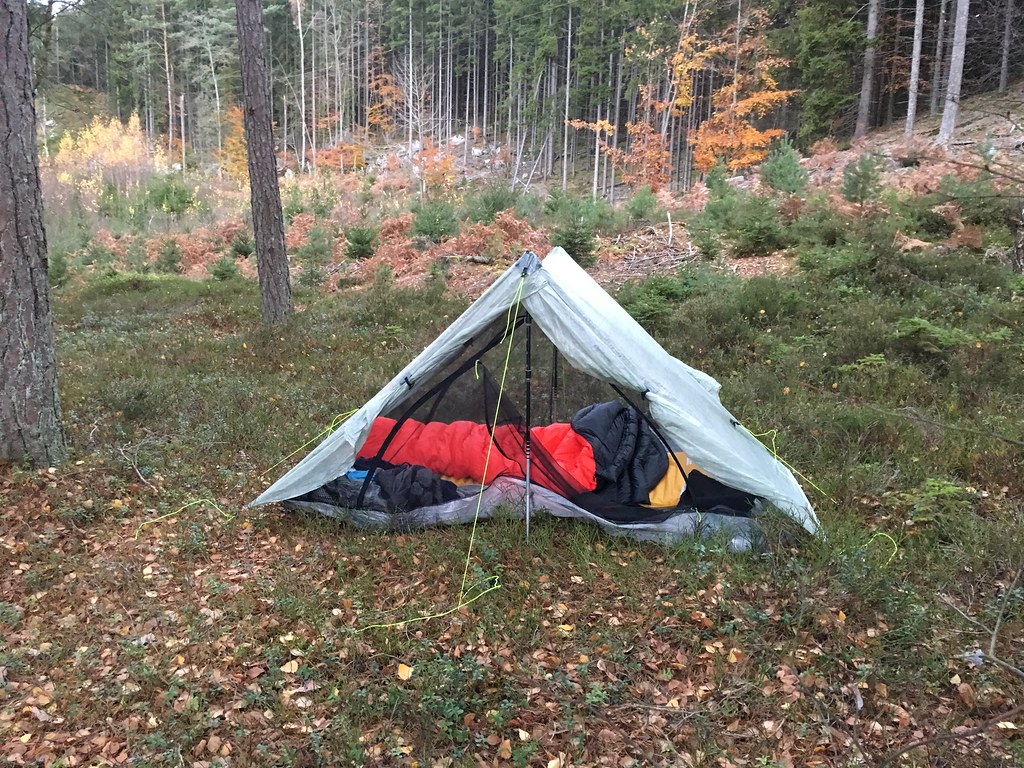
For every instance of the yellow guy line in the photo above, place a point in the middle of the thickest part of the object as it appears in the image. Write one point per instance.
(182, 508)
(774, 433)
(510, 331)
(335, 423)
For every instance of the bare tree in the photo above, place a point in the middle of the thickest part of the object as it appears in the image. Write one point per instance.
(915, 70)
(267, 217)
(938, 60)
(30, 424)
(956, 73)
(868, 80)
(1004, 64)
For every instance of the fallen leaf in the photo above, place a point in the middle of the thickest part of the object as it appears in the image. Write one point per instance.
(291, 667)
(505, 750)
(966, 694)
(404, 671)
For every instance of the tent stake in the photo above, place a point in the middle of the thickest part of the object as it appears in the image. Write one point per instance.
(529, 423)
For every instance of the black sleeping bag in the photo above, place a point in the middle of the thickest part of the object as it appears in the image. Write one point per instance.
(629, 457)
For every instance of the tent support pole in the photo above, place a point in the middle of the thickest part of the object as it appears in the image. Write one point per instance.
(529, 415)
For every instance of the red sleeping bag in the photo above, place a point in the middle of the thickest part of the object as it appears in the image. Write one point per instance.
(459, 450)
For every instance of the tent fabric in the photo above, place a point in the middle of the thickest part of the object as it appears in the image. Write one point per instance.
(598, 337)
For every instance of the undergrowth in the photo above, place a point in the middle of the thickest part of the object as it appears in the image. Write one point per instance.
(892, 379)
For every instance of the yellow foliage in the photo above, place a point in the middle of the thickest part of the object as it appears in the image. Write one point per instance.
(234, 155)
(106, 154)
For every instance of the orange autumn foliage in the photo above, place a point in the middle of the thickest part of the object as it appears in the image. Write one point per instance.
(645, 160)
(732, 133)
(386, 97)
(434, 166)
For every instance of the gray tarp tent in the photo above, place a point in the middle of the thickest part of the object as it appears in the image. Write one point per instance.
(598, 337)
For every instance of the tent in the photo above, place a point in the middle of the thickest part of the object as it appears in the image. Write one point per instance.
(545, 394)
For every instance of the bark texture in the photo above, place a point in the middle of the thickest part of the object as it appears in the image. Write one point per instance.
(915, 70)
(1017, 255)
(868, 79)
(956, 73)
(30, 424)
(267, 217)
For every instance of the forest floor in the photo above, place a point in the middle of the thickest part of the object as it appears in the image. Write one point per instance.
(148, 618)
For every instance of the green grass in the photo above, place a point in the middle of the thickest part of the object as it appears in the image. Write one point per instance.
(893, 381)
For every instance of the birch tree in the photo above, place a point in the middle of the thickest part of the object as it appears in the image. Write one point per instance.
(956, 73)
(868, 80)
(915, 70)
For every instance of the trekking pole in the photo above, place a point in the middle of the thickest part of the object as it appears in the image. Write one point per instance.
(529, 403)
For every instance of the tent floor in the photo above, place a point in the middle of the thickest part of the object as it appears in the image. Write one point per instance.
(507, 496)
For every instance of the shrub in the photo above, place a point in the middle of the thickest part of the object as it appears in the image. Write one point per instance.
(981, 203)
(819, 223)
(168, 260)
(577, 238)
(914, 215)
(136, 259)
(758, 228)
(483, 205)
(706, 239)
(643, 205)
(314, 255)
(292, 205)
(782, 170)
(170, 195)
(862, 179)
(435, 220)
(565, 210)
(57, 268)
(242, 244)
(225, 268)
(749, 224)
(650, 301)
(360, 242)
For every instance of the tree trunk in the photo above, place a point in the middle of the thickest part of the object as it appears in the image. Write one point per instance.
(1017, 256)
(220, 116)
(868, 80)
(937, 62)
(915, 70)
(565, 123)
(30, 424)
(170, 81)
(302, 76)
(267, 217)
(956, 72)
(1004, 64)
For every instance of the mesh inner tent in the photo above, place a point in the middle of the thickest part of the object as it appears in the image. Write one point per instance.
(506, 396)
